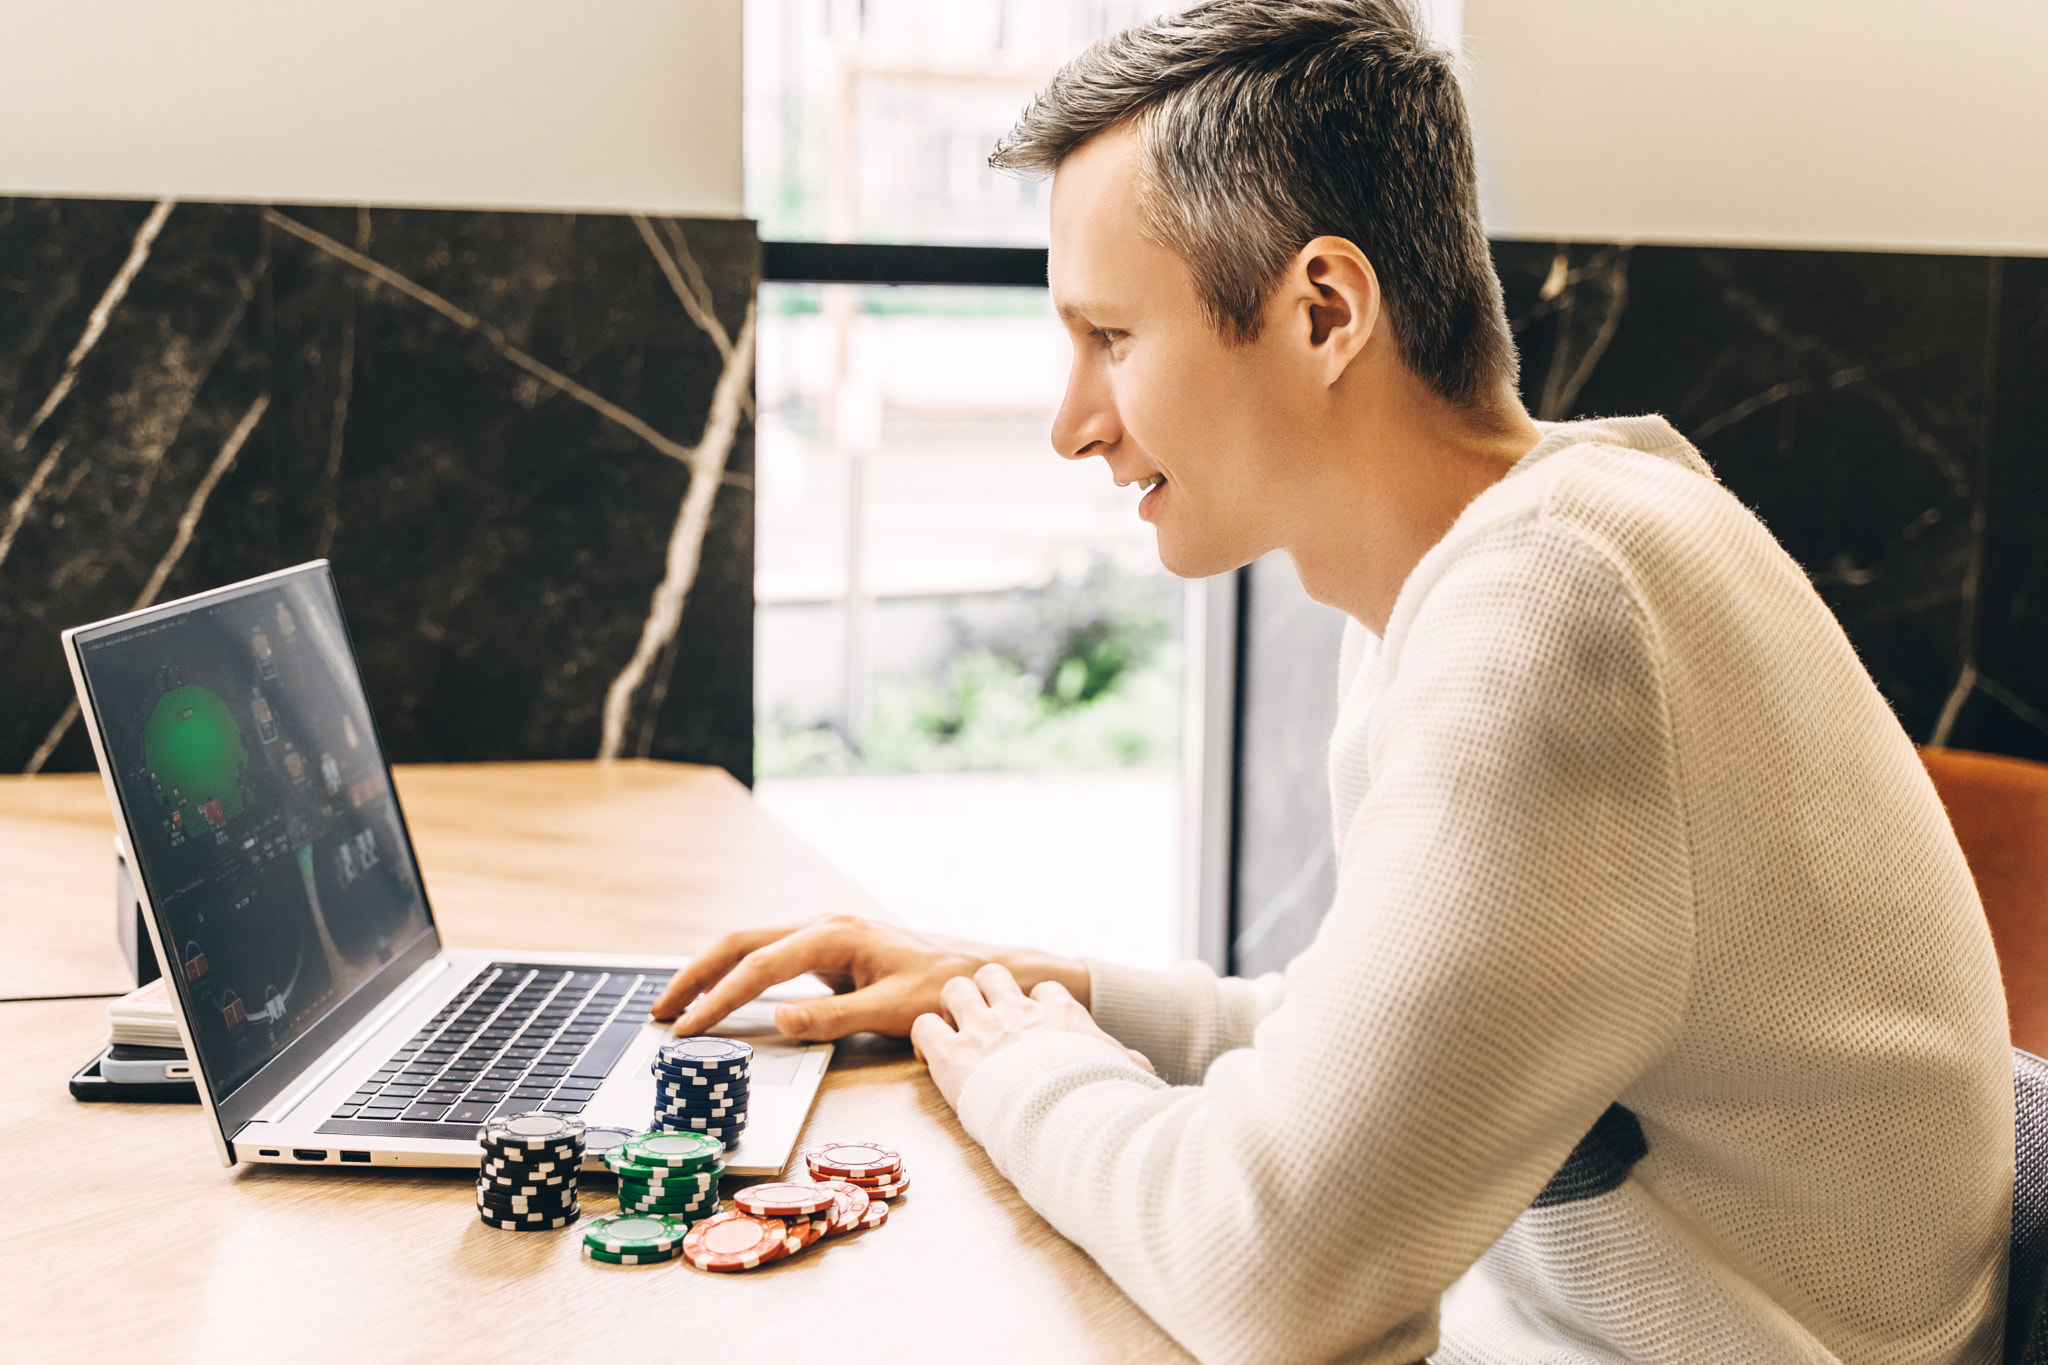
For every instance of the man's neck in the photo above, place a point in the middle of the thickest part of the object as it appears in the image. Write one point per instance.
(1413, 467)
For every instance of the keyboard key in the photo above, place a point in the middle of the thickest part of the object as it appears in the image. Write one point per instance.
(425, 1113)
(564, 1106)
(346, 1111)
(533, 1092)
(470, 1112)
(581, 1083)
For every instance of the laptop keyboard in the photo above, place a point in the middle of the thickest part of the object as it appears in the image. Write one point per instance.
(519, 1038)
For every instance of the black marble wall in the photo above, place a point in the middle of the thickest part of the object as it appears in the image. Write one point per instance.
(1886, 414)
(525, 440)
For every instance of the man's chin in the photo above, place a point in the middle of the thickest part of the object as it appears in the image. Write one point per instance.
(1198, 561)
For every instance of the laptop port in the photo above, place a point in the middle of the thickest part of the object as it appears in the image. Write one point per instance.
(363, 1157)
(308, 1154)
(268, 1151)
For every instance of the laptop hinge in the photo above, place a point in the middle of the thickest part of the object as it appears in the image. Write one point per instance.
(289, 1098)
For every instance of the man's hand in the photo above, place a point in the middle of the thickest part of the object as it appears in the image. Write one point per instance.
(989, 1011)
(885, 977)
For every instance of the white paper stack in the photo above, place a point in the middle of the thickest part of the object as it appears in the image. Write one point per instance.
(142, 1018)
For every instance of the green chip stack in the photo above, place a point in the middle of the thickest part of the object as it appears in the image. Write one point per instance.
(669, 1175)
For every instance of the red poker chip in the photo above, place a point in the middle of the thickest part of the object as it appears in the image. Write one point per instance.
(852, 1160)
(805, 1232)
(849, 1204)
(736, 1241)
(889, 1191)
(877, 1214)
(783, 1199)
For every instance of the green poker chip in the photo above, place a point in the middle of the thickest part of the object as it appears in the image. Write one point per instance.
(631, 1257)
(670, 1151)
(634, 1233)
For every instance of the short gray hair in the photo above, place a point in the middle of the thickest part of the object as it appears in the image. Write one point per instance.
(1267, 123)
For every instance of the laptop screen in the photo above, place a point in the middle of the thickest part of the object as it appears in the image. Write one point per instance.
(260, 808)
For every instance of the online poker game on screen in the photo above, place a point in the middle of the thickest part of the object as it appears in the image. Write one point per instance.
(264, 825)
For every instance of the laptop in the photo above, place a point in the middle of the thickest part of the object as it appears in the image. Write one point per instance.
(328, 1023)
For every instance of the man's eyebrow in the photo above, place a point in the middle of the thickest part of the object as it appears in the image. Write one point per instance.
(1079, 312)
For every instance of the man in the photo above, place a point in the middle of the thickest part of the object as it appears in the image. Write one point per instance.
(1655, 1017)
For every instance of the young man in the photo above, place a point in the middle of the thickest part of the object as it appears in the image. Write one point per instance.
(1655, 1017)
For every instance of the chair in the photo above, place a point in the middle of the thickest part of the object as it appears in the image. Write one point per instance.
(1999, 808)
(2026, 1295)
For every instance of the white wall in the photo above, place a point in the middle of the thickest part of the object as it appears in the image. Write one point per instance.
(602, 104)
(1861, 123)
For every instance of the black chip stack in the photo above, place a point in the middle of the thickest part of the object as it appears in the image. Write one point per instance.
(528, 1179)
(700, 1086)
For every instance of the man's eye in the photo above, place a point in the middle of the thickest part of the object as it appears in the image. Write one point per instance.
(1108, 336)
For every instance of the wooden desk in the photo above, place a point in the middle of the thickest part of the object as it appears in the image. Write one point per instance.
(134, 1244)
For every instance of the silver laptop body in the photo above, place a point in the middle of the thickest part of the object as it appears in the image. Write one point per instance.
(327, 1023)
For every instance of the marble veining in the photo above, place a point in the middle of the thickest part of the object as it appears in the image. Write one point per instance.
(524, 439)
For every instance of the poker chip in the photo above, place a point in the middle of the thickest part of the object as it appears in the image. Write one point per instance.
(660, 1180)
(527, 1170)
(638, 1233)
(598, 1141)
(517, 1224)
(782, 1199)
(531, 1132)
(849, 1203)
(509, 1187)
(891, 1191)
(705, 1053)
(672, 1150)
(702, 1094)
(736, 1241)
(852, 1160)
(807, 1232)
(631, 1257)
(876, 1215)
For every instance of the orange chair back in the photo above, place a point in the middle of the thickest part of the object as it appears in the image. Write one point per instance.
(1999, 807)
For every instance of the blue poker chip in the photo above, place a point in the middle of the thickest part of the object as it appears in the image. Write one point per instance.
(598, 1141)
(702, 1076)
(706, 1052)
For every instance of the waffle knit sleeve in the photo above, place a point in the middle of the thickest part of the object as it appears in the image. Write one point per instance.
(1510, 944)
(1182, 1018)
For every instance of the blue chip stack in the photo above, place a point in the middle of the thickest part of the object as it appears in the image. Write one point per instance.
(700, 1086)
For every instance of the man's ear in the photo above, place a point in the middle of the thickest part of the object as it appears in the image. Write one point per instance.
(1335, 298)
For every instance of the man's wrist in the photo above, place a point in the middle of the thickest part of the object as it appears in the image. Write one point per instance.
(1031, 967)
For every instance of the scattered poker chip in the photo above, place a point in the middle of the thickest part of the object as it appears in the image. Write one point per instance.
(852, 1160)
(531, 1132)
(631, 1258)
(876, 1215)
(807, 1232)
(849, 1203)
(598, 1141)
(736, 1241)
(782, 1199)
(677, 1151)
(880, 1192)
(619, 1233)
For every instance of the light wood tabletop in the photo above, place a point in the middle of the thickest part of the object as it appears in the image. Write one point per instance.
(136, 1244)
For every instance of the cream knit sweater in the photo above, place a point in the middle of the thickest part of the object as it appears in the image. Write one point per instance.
(1621, 821)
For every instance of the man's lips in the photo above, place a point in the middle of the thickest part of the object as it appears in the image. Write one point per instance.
(1145, 482)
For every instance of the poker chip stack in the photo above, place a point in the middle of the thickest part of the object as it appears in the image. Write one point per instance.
(865, 1165)
(528, 1179)
(668, 1175)
(700, 1086)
